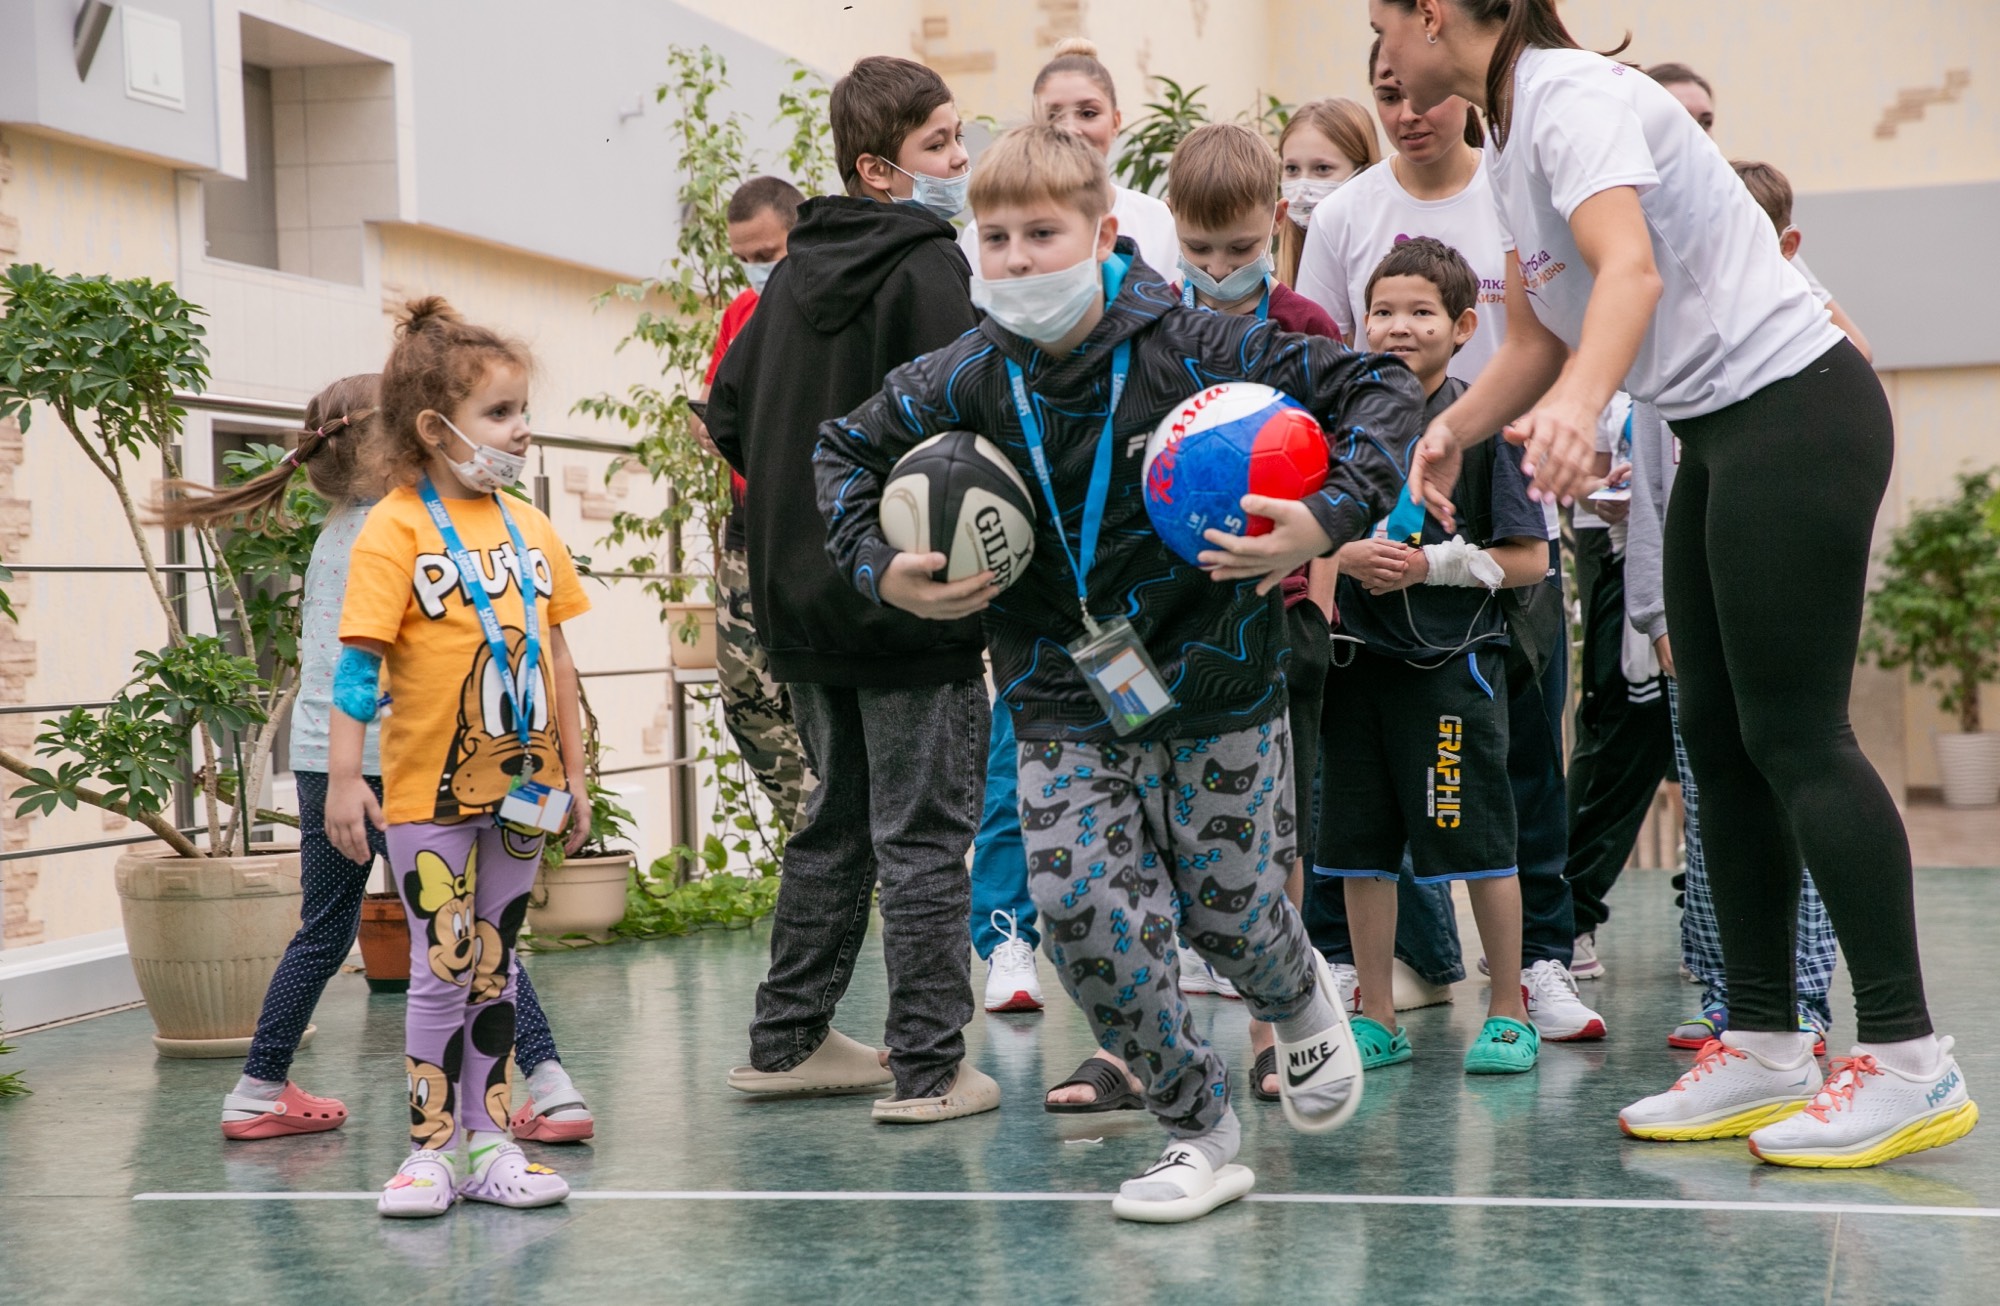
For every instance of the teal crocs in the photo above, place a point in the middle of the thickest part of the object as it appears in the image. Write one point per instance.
(1378, 1046)
(1504, 1047)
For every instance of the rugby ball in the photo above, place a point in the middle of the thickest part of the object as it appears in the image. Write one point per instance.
(1227, 441)
(957, 495)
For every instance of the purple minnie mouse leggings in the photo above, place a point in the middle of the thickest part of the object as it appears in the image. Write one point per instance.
(466, 890)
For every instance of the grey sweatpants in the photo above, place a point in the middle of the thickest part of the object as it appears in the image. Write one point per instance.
(1130, 842)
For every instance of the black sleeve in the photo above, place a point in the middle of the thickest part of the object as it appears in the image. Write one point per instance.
(856, 452)
(732, 380)
(1515, 515)
(1373, 412)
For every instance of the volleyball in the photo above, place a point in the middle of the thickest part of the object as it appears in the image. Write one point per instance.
(1225, 442)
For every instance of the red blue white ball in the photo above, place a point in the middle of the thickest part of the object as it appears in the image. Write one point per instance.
(1227, 441)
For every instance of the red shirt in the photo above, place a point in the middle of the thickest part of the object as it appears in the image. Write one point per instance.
(1294, 312)
(733, 320)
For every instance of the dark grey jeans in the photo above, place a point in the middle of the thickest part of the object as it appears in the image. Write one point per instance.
(901, 776)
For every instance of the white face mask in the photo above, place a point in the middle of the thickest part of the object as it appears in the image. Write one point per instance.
(757, 274)
(1047, 307)
(944, 196)
(1305, 193)
(1237, 285)
(488, 469)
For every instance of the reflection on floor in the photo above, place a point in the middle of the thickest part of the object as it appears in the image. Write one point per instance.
(650, 1030)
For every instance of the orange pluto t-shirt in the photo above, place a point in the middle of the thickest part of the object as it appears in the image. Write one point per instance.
(449, 747)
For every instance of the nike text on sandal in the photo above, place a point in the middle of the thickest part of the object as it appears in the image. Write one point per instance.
(837, 1065)
(1180, 1186)
(1318, 1066)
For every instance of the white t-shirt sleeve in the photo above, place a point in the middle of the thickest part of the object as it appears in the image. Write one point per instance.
(1322, 272)
(1589, 142)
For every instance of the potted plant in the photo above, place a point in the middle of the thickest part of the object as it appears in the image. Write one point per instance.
(585, 894)
(1937, 612)
(206, 918)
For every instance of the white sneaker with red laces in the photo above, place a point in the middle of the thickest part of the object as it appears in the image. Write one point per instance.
(1727, 1093)
(1869, 1113)
(1011, 982)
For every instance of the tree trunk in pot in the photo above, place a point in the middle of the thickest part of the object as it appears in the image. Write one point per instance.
(205, 938)
(1970, 767)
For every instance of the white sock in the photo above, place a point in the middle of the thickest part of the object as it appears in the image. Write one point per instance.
(1912, 1056)
(481, 1146)
(1785, 1047)
(546, 1080)
(263, 1090)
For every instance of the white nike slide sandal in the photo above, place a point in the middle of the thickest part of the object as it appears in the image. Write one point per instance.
(1321, 1061)
(1202, 1189)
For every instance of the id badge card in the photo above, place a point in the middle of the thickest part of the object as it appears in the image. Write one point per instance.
(535, 808)
(1121, 674)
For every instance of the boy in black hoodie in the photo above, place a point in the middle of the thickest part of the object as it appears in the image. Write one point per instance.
(891, 709)
(1179, 814)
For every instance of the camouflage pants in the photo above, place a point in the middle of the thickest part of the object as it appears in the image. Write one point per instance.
(756, 708)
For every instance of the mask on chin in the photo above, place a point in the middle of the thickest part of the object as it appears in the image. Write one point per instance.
(488, 469)
(944, 196)
(1239, 284)
(1047, 307)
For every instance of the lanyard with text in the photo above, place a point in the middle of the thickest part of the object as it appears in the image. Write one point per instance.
(1115, 665)
(1263, 305)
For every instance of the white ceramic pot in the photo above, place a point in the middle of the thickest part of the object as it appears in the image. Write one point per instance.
(699, 655)
(585, 895)
(204, 938)
(1970, 766)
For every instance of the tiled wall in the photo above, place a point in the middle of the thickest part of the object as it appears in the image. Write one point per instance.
(336, 164)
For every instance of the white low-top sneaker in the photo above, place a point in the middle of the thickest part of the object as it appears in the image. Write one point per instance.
(1584, 963)
(1559, 1015)
(1727, 1093)
(1011, 982)
(1196, 977)
(1347, 984)
(1869, 1113)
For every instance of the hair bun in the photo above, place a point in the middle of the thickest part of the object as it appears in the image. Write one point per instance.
(1076, 45)
(420, 313)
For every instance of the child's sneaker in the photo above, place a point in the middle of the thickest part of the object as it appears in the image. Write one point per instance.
(1011, 982)
(1505, 1046)
(503, 1175)
(1196, 976)
(1868, 1113)
(1347, 984)
(1559, 1015)
(294, 1111)
(426, 1184)
(1727, 1093)
(1584, 963)
(1222, 986)
(1378, 1046)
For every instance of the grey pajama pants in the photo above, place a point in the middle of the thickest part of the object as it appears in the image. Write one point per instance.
(1131, 842)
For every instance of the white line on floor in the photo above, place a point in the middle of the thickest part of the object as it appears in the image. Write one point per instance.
(1299, 1199)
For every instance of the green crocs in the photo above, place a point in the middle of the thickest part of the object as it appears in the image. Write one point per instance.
(1504, 1047)
(1378, 1046)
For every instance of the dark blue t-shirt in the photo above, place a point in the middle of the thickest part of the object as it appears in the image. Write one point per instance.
(1426, 623)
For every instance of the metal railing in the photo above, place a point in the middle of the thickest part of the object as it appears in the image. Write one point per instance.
(282, 410)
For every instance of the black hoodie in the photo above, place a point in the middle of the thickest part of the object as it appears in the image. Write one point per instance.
(1220, 648)
(865, 287)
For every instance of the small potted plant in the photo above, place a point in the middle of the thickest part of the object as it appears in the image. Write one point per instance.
(1937, 612)
(207, 917)
(585, 894)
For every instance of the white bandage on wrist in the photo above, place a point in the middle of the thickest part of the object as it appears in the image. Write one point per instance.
(1457, 563)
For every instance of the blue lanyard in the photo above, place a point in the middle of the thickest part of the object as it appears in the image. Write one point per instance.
(496, 638)
(1081, 558)
(1263, 305)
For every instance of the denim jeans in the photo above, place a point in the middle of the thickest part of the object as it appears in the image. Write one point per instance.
(999, 864)
(898, 800)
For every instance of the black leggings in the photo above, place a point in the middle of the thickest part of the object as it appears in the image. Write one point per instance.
(1767, 542)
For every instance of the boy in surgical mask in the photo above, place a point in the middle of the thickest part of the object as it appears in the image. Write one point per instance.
(1182, 812)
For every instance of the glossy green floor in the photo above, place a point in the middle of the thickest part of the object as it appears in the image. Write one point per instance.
(649, 1031)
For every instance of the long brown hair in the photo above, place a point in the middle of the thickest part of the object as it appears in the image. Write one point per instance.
(1524, 25)
(1351, 130)
(332, 448)
(437, 360)
(1075, 54)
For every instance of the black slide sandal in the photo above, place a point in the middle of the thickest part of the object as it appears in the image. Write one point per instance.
(1266, 1064)
(1114, 1091)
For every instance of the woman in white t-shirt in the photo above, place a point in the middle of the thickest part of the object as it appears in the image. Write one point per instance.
(1074, 91)
(1638, 260)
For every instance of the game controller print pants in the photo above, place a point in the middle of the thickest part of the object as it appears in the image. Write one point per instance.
(465, 888)
(1131, 842)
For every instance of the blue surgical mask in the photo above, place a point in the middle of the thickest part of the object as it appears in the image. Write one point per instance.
(944, 196)
(1237, 285)
(757, 274)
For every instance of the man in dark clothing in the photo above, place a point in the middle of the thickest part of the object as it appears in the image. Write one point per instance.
(891, 709)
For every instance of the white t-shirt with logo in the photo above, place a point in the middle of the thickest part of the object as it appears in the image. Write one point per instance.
(1147, 220)
(1356, 226)
(1733, 317)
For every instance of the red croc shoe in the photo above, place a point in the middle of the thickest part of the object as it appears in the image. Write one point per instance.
(534, 1123)
(295, 1112)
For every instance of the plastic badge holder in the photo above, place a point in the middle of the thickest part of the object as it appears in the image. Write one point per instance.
(1122, 676)
(535, 808)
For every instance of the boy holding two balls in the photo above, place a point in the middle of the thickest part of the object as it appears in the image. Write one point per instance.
(1147, 691)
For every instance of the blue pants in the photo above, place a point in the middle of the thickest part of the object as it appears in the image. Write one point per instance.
(330, 917)
(999, 863)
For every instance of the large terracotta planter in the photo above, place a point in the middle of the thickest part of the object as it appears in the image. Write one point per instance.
(204, 938)
(585, 895)
(699, 655)
(385, 943)
(1969, 765)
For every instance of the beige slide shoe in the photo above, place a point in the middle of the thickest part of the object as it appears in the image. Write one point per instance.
(838, 1065)
(971, 1093)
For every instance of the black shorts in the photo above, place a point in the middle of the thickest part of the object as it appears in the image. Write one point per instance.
(1416, 757)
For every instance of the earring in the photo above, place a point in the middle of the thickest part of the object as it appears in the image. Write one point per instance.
(1431, 37)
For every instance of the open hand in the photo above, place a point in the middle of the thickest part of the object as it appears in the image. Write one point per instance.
(907, 584)
(1294, 539)
(1434, 468)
